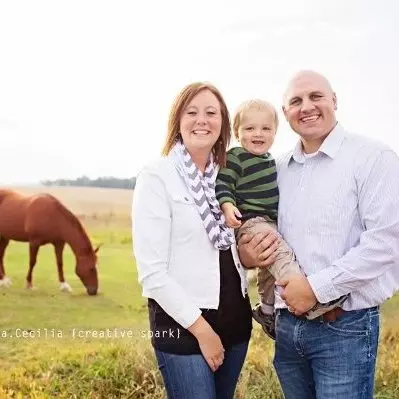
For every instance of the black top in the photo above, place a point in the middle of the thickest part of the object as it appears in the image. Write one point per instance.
(232, 321)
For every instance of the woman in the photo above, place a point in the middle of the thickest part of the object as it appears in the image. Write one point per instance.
(199, 311)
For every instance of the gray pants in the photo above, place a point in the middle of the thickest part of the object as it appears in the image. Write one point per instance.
(284, 265)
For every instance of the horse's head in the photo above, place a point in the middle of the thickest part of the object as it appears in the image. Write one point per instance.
(86, 270)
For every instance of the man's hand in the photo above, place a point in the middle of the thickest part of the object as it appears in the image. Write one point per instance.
(297, 293)
(258, 250)
(231, 213)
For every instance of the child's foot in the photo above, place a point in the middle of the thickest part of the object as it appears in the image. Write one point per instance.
(267, 321)
(321, 308)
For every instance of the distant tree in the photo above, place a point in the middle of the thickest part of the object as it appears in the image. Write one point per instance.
(84, 181)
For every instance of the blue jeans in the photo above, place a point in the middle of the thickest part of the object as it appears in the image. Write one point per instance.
(316, 359)
(189, 376)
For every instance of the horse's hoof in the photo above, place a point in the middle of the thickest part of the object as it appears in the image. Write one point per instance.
(5, 282)
(65, 287)
(30, 286)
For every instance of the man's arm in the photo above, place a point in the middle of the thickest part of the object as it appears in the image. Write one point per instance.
(378, 248)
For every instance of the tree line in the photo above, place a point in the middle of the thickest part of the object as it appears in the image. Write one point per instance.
(84, 181)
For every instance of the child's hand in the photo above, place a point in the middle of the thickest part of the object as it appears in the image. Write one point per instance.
(232, 215)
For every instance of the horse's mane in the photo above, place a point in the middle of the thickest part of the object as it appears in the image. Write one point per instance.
(75, 221)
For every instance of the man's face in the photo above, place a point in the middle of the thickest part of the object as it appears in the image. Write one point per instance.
(309, 106)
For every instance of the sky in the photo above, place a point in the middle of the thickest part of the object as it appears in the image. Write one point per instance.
(86, 86)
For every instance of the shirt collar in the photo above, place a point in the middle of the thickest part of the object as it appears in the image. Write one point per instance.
(330, 145)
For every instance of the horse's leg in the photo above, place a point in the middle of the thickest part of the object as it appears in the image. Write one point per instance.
(33, 250)
(4, 280)
(59, 248)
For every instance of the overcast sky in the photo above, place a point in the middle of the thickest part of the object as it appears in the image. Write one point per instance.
(86, 86)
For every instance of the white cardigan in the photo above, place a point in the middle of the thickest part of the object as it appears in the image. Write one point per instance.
(177, 264)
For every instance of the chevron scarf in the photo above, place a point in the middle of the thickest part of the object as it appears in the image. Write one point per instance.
(202, 189)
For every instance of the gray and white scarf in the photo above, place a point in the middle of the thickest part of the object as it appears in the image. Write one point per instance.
(202, 189)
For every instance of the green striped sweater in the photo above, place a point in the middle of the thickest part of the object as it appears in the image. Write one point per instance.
(250, 183)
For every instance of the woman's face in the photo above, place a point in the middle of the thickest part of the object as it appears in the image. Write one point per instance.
(201, 122)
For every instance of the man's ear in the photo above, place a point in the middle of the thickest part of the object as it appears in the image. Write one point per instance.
(335, 101)
(284, 111)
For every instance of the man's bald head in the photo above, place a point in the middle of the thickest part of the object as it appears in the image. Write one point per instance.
(307, 75)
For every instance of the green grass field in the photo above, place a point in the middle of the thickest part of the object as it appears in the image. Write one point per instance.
(53, 361)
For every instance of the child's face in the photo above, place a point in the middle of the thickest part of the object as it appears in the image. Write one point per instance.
(256, 131)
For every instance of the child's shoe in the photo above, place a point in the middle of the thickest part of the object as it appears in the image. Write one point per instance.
(267, 321)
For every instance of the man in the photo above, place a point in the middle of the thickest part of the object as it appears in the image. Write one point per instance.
(339, 212)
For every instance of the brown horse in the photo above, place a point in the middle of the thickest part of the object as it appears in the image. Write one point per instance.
(42, 219)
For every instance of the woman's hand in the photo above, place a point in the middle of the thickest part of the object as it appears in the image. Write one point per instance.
(259, 250)
(209, 343)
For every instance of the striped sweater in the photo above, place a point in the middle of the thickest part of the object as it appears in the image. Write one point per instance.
(250, 183)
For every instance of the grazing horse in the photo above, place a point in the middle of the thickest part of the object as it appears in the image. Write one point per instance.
(42, 219)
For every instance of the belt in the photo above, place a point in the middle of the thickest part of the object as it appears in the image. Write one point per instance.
(327, 317)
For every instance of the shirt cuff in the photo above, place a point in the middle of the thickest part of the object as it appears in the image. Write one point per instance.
(188, 319)
(224, 200)
(323, 286)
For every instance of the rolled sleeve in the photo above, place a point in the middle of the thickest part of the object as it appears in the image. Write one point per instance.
(323, 286)
(378, 248)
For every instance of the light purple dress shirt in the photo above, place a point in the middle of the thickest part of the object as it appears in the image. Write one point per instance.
(339, 211)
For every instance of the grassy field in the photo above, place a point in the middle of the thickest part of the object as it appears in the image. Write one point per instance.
(70, 345)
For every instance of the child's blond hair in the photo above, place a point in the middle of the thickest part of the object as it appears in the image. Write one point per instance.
(256, 104)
